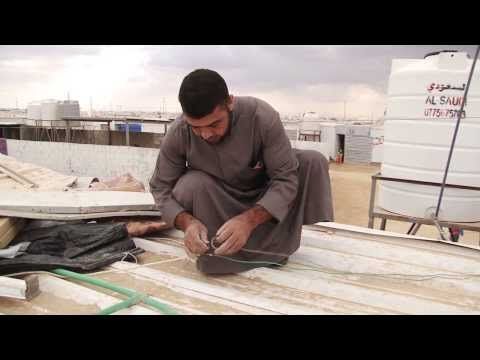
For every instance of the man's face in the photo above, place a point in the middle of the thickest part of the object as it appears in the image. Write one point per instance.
(212, 127)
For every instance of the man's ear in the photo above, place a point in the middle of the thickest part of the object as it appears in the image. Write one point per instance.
(230, 103)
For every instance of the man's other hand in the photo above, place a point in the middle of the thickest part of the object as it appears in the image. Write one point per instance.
(233, 235)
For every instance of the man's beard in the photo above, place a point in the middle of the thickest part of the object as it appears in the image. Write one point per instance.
(217, 138)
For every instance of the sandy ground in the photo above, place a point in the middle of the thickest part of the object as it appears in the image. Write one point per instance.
(351, 194)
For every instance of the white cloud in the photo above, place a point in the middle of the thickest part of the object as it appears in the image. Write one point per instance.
(293, 78)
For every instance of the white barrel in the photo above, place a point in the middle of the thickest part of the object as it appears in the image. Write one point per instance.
(34, 111)
(424, 97)
(68, 108)
(50, 110)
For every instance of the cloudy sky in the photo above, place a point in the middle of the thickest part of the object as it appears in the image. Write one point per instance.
(294, 79)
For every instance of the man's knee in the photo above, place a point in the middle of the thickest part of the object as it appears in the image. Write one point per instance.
(312, 158)
(190, 183)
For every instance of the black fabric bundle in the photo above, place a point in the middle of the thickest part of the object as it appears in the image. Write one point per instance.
(78, 247)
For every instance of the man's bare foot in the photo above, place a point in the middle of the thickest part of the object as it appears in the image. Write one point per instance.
(140, 228)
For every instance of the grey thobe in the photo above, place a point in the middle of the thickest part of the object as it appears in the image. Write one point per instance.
(253, 164)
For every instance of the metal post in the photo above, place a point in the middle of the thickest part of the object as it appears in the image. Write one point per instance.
(383, 224)
(67, 130)
(127, 133)
(415, 229)
(109, 133)
(455, 133)
(411, 228)
(372, 201)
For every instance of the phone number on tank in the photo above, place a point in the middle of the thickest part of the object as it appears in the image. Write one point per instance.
(443, 113)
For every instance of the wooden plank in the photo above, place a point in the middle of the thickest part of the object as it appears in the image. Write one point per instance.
(46, 179)
(73, 217)
(17, 177)
(5, 224)
(75, 202)
(9, 228)
(25, 289)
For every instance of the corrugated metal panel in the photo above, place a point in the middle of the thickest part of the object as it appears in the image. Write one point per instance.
(351, 271)
(358, 149)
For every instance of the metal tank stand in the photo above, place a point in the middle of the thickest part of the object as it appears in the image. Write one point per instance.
(384, 215)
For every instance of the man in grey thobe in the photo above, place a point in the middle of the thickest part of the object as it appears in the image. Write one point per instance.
(226, 171)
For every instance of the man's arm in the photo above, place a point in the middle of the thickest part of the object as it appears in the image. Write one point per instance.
(170, 166)
(256, 216)
(282, 169)
(281, 166)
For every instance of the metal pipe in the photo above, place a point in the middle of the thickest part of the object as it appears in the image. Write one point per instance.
(127, 133)
(440, 197)
(119, 289)
(371, 205)
(428, 183)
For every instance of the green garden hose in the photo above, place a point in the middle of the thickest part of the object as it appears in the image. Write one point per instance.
(134, 297)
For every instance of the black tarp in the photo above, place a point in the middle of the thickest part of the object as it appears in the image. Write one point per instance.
(77, 247)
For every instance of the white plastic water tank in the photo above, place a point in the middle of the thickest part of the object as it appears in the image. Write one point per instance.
(424, 97)
(311, 116)
(34, 111)
(68, 108)
(50, 110)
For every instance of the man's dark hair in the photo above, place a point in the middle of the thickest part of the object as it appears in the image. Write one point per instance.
(201, 92)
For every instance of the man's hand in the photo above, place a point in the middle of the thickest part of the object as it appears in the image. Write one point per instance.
(235, 232)
(233, 235)
(196, 237)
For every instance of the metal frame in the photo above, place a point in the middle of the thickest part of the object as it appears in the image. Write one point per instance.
(68, 133)
(316, 134)
(376, 212)
(127, 122)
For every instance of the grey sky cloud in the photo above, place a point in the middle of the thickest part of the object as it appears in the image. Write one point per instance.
(300, 76)
(35, 51)
(274, 67)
